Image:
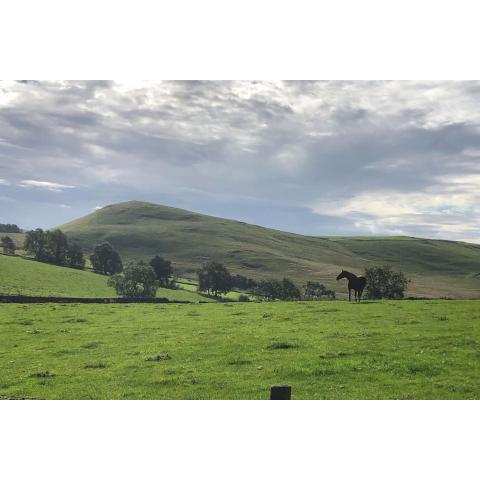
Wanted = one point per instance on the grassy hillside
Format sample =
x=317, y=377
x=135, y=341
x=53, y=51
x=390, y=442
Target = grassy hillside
x=20, y=276
x=141, y=230
x=325, y=350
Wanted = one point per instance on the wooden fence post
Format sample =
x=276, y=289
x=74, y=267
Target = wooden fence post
x=280, y=392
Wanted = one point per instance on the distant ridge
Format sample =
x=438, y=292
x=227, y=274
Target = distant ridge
x=140, y=230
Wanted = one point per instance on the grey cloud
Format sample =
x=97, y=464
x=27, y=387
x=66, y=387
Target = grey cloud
x=293, y=145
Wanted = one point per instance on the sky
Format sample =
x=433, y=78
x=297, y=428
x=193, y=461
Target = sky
x=313, y=157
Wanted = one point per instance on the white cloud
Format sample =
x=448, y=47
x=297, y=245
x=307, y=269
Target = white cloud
x=4, y=182
x=442, y=213
x=43, y=185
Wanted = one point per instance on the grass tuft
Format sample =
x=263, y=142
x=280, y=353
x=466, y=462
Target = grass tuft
x=330, y=355
x=91, y=345
x=45, y=374
x=239, y=361
x=282, y=346
x=158, y=358
x=96, y=365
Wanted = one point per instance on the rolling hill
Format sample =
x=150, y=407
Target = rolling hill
x=139, y=230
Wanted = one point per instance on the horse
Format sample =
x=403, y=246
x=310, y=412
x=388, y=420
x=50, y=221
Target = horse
x=354, y=283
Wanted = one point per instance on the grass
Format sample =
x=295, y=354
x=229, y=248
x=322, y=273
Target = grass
x=141, y=230
x=21, y=276
x=325, y=350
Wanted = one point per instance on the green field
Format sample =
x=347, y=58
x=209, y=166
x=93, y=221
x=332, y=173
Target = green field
x=325, y=350
x=21, y=276
x=140, y=230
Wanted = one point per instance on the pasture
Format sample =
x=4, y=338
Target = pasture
x=23, y=276
x=325, y=350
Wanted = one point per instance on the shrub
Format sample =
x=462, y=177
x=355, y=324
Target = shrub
x=243, y=298
x=278, y=290
x=316, y=290
x=383, y=282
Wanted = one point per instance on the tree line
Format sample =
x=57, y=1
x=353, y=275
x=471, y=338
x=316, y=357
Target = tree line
x=52, y=246
x=9, y=228
x=214, y=279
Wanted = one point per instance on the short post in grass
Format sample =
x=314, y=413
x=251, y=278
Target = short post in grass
x=280, y=392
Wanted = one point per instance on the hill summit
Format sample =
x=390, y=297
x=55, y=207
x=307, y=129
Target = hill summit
x=140, y=230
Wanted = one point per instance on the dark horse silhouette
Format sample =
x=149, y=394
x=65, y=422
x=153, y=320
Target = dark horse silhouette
x=354, y=283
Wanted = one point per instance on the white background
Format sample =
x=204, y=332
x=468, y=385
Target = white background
x=207, y=39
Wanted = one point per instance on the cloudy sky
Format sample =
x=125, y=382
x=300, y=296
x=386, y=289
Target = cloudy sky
x=319, y=158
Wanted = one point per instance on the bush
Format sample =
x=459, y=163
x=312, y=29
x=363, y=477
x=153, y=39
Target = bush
x=316, y=290
x=383, y=282
x=278, y=290
x=243, y=298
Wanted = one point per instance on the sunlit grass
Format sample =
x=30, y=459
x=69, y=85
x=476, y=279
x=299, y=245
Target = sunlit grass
x=325, y=350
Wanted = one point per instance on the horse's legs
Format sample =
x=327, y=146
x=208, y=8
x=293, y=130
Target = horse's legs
x=349, y=294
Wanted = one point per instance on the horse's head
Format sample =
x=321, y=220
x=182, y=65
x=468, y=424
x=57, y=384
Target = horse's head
x=341, y=275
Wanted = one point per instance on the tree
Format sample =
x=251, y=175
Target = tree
x=8, y=245
x=56, y=247
x=106, y=260
x=214, y=277
x=243, y=283
x=383, y=282
x=269, y=289
x=9, y=228
x=74, y=257
x=137, y=280
x=163, y=270
x=36, y=244
x=290, y=291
